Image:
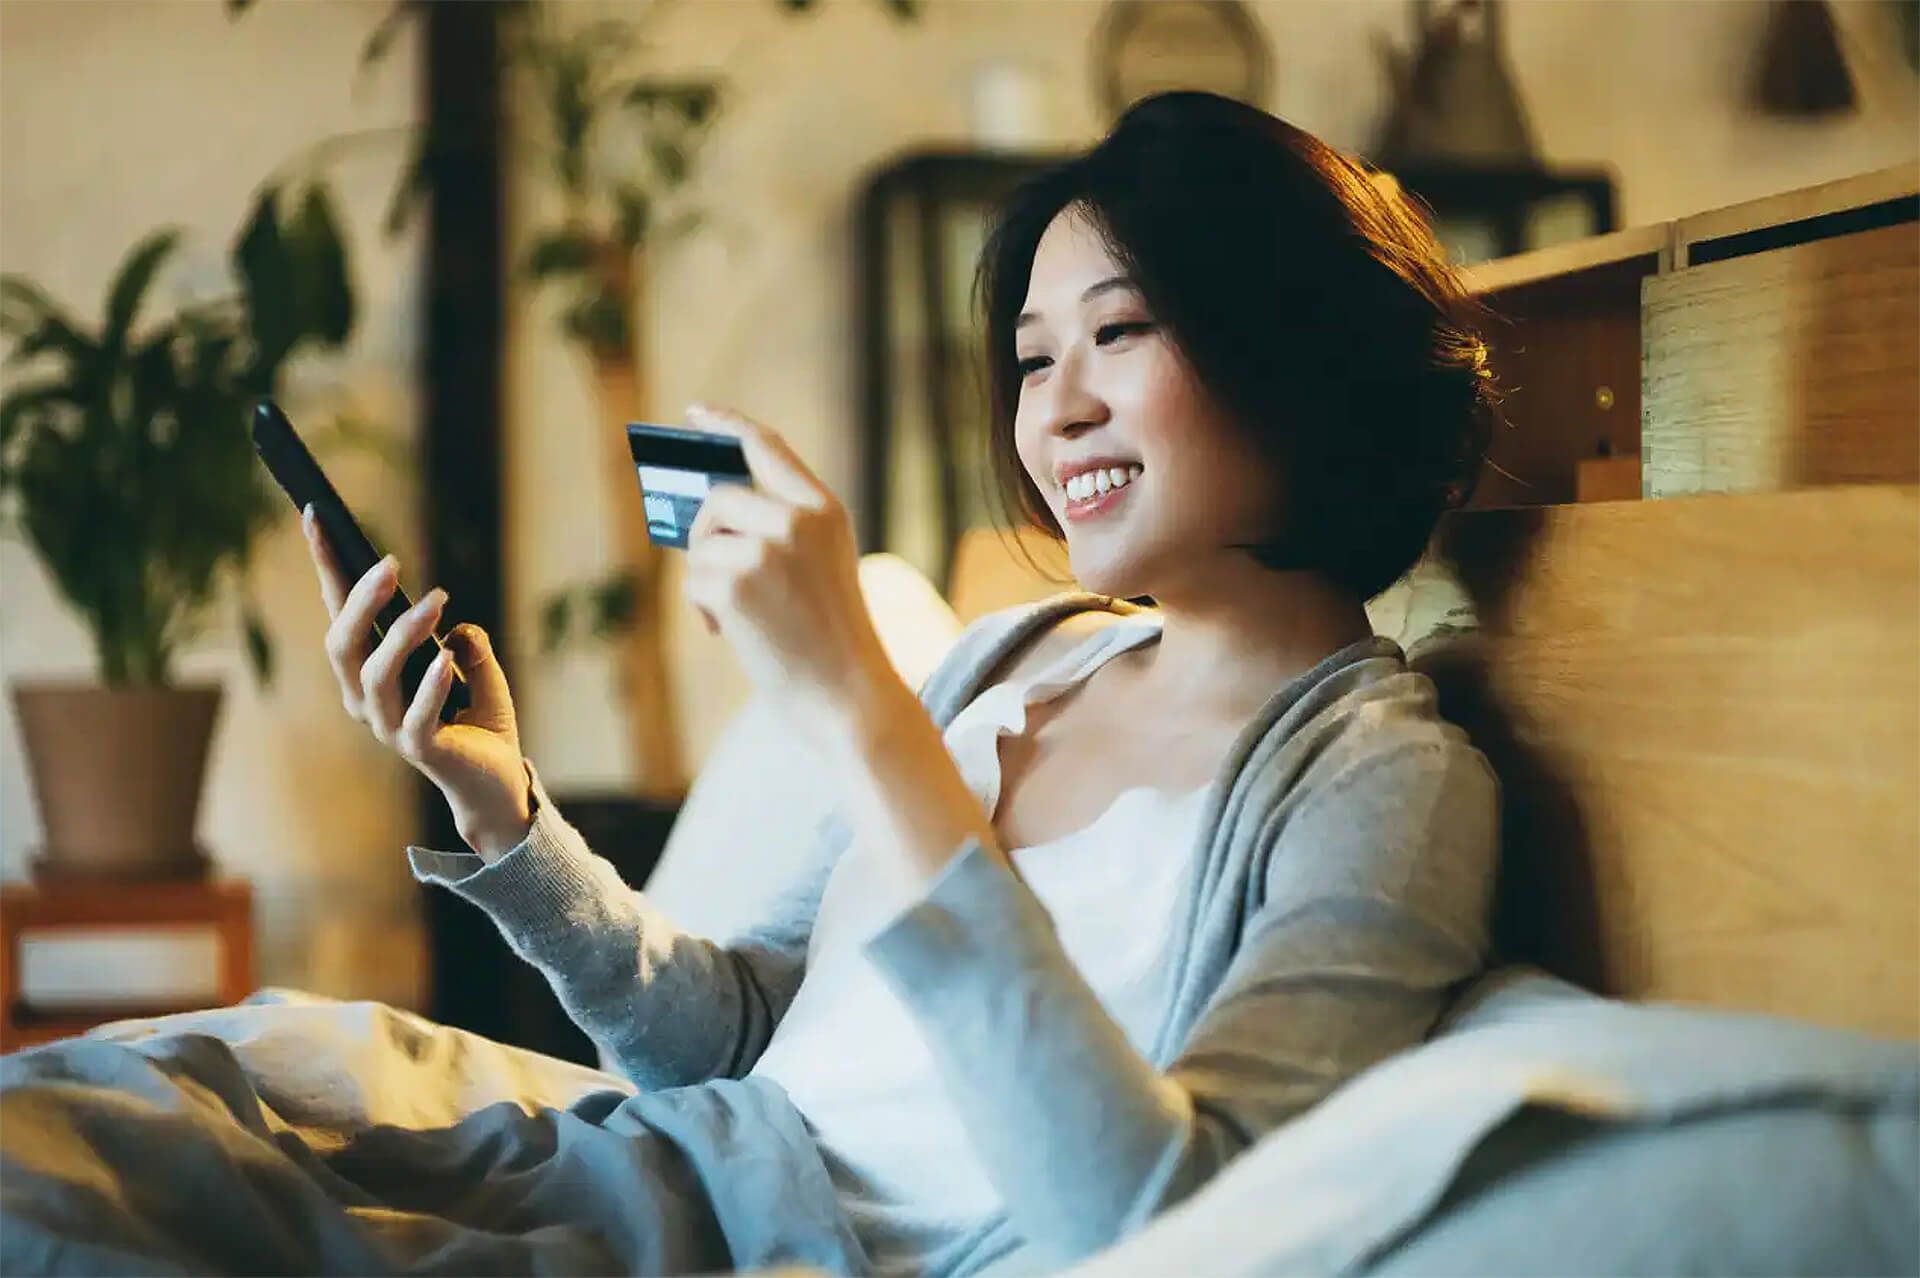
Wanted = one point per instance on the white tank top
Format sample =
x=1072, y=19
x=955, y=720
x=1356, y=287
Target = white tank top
x=849, y=1054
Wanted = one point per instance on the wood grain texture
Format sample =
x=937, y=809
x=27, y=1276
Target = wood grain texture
x=1706, y=718
x=1785, y=369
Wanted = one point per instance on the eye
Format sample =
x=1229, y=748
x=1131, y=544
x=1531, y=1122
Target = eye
x=1030, y=366
x=1117, y=331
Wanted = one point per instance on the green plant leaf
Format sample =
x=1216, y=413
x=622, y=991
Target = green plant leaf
x=130, y=286
x=23, y=306
x=22, y=407
x=670, y=158
x=56, y=336
x=318, y=254
x=632, y=215
x=414, y=185
x=378, y=44
x=556, y=615
x=599, y=321
x=259, y=645
x=38, y=326
x=614, y=602
x=564, y=252
x=266, y=271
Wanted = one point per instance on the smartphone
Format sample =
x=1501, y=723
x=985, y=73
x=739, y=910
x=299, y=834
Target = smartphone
x=678, y=468
x=292, y=464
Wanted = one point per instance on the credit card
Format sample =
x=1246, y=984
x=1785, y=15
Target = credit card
x=678, y=468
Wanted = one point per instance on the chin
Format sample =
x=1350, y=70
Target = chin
x=1120, y=576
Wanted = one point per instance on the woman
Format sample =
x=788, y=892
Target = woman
x=1122, y=889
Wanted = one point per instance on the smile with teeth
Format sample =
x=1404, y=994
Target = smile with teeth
x=1093, y=483
x=1089, y=491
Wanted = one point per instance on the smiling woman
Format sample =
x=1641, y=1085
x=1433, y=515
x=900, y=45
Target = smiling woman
x=1228, y=304
x=1112, y=894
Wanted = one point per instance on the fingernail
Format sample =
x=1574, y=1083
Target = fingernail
x=390, y=566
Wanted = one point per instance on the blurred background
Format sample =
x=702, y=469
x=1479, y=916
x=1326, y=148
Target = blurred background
x=464, y=242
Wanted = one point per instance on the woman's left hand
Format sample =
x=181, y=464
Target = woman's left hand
x=775, y=570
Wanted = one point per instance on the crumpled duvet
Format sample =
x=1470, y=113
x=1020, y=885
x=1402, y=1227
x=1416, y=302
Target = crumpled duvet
x=293, y=1134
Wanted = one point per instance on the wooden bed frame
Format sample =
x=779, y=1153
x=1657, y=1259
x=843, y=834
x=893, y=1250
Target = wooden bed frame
x=1705, y=713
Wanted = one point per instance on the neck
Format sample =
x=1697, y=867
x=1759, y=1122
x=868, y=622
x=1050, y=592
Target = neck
x=1232, y=635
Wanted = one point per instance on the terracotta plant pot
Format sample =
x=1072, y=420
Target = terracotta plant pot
x=116, y=774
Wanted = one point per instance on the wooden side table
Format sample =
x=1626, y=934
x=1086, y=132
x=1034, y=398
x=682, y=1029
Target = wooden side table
x=225, y=905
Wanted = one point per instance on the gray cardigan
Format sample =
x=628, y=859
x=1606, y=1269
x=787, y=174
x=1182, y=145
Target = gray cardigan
x=1340, y=893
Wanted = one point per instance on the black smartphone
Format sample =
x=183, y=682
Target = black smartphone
x=292, y=464
x=678, y=468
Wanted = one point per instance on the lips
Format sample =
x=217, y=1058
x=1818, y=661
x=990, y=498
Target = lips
x=1086, y=501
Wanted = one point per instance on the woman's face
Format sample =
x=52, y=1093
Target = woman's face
x=1102, y=386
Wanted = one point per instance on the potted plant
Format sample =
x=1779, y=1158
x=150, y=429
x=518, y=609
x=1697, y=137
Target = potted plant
x=125, y=462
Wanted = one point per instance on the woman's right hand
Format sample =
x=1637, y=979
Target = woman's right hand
x=475, y=760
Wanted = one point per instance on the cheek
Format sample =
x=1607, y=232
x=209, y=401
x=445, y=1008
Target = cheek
x=1029, y=443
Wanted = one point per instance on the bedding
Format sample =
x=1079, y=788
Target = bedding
x=328, y=1137
x=1541, y=1130
x=1546, y=1130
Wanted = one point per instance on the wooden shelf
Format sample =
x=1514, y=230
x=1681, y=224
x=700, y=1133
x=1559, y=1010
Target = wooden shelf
x=223, y=906
x=33, y=1025
x=1559, y=260
x=1759, y=347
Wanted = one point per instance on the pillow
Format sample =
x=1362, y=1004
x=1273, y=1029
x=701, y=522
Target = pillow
x=1548, y=1130
x=746, y=828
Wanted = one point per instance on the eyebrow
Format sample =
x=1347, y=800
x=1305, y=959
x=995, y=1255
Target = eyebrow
x=1107, y=285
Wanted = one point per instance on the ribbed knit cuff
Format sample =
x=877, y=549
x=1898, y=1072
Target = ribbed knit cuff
x=532, y=890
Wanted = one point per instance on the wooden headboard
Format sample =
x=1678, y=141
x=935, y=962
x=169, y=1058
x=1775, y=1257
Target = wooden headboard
x=1705, y=713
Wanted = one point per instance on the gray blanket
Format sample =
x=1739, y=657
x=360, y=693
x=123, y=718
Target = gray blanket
x=300, y=1135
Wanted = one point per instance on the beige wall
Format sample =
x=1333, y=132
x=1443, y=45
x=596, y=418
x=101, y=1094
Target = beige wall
x=759, y=316
x=114, y=119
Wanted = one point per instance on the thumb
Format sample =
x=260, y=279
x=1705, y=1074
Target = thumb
x=489, y=700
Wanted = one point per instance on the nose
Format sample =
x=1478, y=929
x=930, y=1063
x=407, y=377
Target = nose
x=1071, y=405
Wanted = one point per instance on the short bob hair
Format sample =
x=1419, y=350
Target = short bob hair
x=1310, y=298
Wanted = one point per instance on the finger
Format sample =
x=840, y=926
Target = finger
x=771, y=459
x=726, y=557
x=380, y=676
x=350, y=637
x=489, y=699
x=414, y=739
x=333, y=584
x=735, y=508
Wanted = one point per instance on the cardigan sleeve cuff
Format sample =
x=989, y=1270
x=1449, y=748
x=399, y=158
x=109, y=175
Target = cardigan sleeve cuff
x=531, y=890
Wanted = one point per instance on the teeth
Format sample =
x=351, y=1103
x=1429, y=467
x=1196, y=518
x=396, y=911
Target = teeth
x=1096, y=483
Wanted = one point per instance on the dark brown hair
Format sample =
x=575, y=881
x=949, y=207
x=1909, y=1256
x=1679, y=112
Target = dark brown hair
x=1313, y=303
